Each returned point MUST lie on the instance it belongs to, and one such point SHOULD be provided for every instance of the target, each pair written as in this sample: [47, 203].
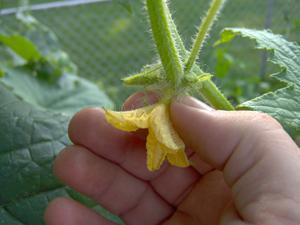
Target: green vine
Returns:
[204, 29]
[160, 25]
[173, 53]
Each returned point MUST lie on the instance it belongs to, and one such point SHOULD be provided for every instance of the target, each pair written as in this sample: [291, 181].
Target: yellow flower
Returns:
[162, 140]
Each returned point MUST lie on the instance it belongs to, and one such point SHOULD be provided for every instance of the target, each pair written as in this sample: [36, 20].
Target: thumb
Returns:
[260, 162]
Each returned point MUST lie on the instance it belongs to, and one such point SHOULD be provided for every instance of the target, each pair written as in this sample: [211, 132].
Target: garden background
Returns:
[107, 40]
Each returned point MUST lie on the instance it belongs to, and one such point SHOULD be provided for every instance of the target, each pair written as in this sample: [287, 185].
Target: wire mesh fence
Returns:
[108, 40]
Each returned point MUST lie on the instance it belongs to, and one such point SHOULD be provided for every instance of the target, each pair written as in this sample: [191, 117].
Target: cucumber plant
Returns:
[178, 73]
[39, 92]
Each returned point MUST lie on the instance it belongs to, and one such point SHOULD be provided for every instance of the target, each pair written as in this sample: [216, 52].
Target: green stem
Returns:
[213, 96]
[148, 76]
[208, 89]
[178, 41]
[158, 13]
[204, 29]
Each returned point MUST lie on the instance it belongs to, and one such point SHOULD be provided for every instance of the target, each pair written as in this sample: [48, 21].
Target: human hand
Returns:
[259, 182]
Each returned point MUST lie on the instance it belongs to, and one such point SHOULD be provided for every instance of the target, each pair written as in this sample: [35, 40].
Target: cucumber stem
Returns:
[210, 92]
[203, 31]
[158, 13]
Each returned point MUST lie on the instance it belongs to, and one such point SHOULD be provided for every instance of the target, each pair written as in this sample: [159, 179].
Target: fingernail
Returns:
[140, 99]
[195, 103]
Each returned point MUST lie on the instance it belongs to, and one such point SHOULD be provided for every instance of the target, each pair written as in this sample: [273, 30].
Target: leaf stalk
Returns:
[160, 24]
[203, 31]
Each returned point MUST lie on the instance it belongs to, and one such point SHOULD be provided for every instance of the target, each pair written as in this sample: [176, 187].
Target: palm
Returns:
[110, 166]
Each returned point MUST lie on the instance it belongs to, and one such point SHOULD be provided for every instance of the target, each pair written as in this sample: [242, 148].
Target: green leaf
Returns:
[283, 104]
[34, 116]
[68, 95]
[30, 140]
[21, 46]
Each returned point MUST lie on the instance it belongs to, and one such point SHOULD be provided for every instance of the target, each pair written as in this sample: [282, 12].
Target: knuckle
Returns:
[265, 120]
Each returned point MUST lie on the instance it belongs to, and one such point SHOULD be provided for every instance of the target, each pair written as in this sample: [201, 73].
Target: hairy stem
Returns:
[204, 29]
[178, 41]
[158, 13]
[213, 96]
[208, 89]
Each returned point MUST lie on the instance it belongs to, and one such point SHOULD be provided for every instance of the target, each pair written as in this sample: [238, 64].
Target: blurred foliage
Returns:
[110, 40]
[40, 89]
[39, 93]
[283, 103]
[236, 81]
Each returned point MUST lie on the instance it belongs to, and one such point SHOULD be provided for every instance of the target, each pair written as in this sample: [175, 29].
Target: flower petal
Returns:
[155, 154]
[161, 126]
[178, 159]
[129, 120]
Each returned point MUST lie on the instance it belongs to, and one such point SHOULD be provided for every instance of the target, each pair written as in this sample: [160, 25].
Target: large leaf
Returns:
[30, 140]
[69, 94]
[34, 115]
[283, 104]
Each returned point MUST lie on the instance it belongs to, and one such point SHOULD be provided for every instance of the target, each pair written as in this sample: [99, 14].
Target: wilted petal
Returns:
[162, 140]
[178, 159]
[129, 120]
[160, 124]
[155, 154]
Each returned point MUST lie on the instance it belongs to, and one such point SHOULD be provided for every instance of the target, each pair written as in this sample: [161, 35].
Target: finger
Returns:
[199, 165]
[141, 99]
[205, 203]
[181, 178]
[68, 212]
[148, 211]
[231, 217]
[90, 129]
[164, 184]
[258, 157]
[114, 188]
